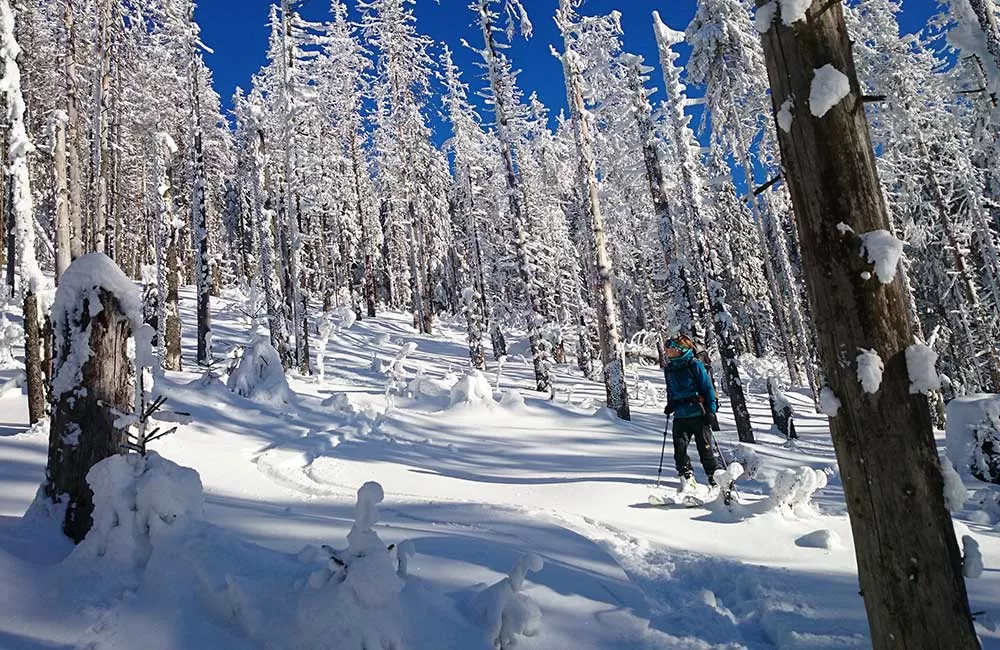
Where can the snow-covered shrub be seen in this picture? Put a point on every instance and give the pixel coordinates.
(331, 322)
(793, 490)
(987, 502)
(973, 436)
(137, 500)
(955, 493)
(423, 386)
(473, 388)
(972, 559)
(353, 603)
(512, 399)
(260, 376)
(748, 457)
(504, 611)
(11, 334)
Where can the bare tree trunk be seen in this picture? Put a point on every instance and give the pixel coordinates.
(363, 219)
(199, 216)
(543, 380)
(77, 236)
(35, 378)
(612, 352)
(63, 256)
(84, 430)
(168, 262)
(99, 135)
(909, 564)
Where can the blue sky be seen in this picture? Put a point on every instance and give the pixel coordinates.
(238, 36)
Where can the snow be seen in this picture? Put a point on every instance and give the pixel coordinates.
(137, 500)
(829, 85)
(504, 611)
(792, 11)
(824, 538)
(972, 559)
(921, 365)
(764, 16)
(472, 389)
(971, 421)
(273, 557)
(870, 367)
(259, 376)
(785, 115)
(955, 494)
(884, 250)
(82, 281)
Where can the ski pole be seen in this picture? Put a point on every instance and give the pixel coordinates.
(663, 450)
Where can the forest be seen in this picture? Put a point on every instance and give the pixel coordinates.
(378, 261)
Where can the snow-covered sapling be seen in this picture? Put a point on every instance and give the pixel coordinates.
(507, 613)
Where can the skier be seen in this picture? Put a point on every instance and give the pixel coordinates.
(692, 401)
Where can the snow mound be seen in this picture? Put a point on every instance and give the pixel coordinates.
(504, 611)
(973, 435)
(793, 490)
(884, 250)
(260, 375)
(823, 538)
(512, 399)
(829, 85)
(473, 388)
(870, 369)
(137, 499)
(921, 366)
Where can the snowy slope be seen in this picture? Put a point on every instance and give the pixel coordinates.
(474, 487)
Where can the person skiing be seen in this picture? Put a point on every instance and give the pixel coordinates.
(691, 399)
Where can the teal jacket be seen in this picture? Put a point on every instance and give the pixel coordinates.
(689, 386)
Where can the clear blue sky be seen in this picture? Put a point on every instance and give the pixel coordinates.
(237, 31)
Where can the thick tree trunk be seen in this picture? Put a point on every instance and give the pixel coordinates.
(86, 400)
(909, 563)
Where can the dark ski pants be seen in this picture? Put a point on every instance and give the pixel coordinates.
(684, 430)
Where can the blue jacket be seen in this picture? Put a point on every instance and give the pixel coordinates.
(687, 381)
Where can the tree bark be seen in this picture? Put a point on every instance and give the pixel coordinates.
(83, 429)
(909, 564)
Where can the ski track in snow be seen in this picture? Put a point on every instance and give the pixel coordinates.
(473, 486)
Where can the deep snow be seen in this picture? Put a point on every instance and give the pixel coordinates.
(473, 485)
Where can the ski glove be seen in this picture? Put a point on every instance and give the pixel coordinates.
(710, 419)
(668, 410)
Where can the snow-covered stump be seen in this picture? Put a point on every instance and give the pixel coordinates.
(95, 311)
(781, 410)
